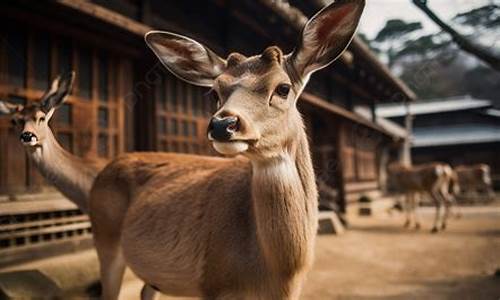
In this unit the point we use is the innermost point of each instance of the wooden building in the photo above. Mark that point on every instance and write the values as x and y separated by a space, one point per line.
124 100
457 130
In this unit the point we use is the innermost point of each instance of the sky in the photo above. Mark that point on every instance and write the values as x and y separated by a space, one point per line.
377 12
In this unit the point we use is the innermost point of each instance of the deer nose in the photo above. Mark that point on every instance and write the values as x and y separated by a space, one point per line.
222 128
27 137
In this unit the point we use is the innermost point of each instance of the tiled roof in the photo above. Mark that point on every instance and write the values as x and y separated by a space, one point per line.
456 135
432 106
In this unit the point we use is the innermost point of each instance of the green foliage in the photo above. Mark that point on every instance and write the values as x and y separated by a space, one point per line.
487 16
422 45
396 28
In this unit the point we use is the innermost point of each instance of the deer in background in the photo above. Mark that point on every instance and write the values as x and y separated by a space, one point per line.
71 175
474 178
224 228
434 179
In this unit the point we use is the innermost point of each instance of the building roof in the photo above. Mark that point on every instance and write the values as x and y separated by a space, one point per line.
455 135
389 126
432 106
493 112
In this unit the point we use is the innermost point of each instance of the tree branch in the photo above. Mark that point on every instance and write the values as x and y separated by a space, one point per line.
466 45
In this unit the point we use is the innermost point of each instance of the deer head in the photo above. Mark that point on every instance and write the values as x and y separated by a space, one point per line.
32 119
257 95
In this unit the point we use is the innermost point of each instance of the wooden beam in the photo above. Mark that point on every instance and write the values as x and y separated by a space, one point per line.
106 15
337 110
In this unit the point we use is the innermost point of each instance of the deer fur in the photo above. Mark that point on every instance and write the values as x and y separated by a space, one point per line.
433 179
224 228
71 175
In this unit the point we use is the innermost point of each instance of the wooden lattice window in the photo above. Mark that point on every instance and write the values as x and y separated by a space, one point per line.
181 116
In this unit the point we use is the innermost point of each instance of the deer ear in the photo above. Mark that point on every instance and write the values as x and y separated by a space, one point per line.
326 35
7 108
58 93
186 58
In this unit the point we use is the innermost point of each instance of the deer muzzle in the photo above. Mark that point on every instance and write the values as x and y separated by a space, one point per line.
223 129
28 138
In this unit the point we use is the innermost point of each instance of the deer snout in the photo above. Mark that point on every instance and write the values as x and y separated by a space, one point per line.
222 129
28 137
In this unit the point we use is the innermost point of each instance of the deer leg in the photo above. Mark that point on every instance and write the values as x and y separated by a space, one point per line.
108 207
455 209
437 203
447 201
491 193
415 211
407 207
112 266
148 292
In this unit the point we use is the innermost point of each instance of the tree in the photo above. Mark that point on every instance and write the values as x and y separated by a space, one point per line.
465 44
392 36
396 28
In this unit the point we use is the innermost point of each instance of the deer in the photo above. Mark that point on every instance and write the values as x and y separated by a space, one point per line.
71 175
474 178
434 179
240 226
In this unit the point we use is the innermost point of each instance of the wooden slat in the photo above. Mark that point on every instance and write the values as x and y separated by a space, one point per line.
44 223
45 230
26 207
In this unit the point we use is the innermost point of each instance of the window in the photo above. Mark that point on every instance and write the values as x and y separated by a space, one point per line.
16 44
85 73
102 145
63 115
103 118
163 125
64 56
162 93
41 53
180 112
103 78
172 94
66 140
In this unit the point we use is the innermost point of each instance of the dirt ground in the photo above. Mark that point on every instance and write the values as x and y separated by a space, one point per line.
378 259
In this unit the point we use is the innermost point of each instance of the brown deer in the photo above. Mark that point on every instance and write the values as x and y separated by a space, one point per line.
474 178
434 179
71 175
224 228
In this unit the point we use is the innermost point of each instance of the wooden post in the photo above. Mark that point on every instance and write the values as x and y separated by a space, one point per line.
405 154
339 171
373 110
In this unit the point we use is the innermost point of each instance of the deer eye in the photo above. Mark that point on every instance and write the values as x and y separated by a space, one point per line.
283 90
42 119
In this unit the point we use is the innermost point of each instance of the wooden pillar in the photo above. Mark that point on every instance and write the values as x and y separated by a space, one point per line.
405 152
373 104
339 171
383 160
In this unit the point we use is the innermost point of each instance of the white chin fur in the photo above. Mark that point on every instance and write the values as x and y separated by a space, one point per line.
32 143
230 148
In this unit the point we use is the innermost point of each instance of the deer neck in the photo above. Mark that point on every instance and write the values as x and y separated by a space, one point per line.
68 173
285 206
